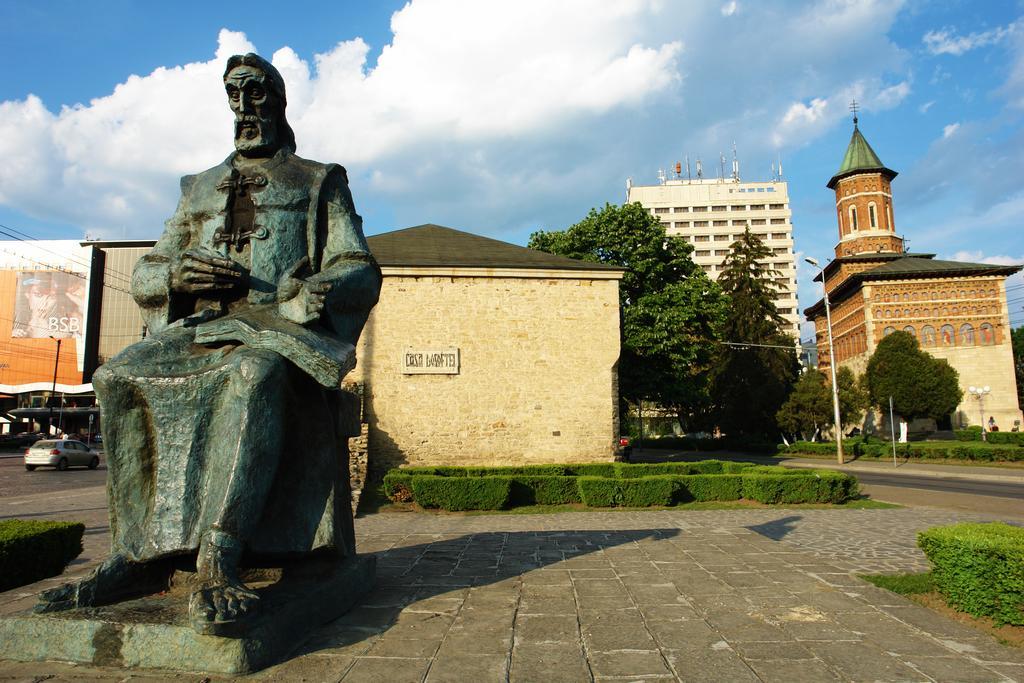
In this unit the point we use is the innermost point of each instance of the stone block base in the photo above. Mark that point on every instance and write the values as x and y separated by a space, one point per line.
154 633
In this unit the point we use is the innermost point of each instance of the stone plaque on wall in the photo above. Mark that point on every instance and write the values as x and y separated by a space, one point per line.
417 361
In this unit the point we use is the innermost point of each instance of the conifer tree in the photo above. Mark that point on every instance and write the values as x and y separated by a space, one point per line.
755 370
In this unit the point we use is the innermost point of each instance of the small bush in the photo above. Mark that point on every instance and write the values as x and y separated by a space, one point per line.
708 487
1007 438
461 493
979 568
398 486
972 433
34 550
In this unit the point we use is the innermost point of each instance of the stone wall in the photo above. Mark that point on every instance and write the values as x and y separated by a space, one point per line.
536 377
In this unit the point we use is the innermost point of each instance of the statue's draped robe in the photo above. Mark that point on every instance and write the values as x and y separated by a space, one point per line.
226 435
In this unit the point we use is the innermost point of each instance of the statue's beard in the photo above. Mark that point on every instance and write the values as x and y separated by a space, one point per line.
255 135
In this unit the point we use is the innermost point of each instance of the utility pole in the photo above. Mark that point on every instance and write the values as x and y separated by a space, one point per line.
831 366
53 389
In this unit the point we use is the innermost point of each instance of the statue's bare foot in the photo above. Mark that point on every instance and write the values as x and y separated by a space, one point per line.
117 578
221 604
222 609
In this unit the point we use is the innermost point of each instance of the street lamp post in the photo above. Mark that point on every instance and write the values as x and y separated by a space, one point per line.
53 389
831 365
980 393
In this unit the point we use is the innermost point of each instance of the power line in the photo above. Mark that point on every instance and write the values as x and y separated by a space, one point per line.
25 237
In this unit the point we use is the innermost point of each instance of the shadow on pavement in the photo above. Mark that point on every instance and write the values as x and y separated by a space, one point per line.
777 529
434 577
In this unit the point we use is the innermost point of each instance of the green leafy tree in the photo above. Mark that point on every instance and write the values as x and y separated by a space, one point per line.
670 310
1017 340
921 386
808 408
853 398
749 383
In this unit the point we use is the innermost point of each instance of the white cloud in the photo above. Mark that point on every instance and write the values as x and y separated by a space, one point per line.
926 106
729 8
491 116
946 42
802 122
948 131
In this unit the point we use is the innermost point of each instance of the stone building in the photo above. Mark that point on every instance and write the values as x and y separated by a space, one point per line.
712 213
482 352
479 351
957 311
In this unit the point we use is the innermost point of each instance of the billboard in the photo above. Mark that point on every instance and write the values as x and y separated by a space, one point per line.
49 304
44 296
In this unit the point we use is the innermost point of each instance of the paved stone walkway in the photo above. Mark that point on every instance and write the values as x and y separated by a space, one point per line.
744 595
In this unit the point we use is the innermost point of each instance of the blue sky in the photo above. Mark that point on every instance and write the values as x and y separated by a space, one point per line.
505 118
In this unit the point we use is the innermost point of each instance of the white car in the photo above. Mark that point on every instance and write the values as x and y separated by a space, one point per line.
60 453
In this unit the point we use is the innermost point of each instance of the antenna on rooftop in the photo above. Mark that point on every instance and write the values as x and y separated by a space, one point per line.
854 107
780 167
735 164
700 169
679 170
688 168
721 167
661 176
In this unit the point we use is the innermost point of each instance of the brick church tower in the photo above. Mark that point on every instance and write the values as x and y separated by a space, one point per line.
957 311
864 201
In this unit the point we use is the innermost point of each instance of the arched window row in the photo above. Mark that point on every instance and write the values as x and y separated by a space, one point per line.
935 295
947 335
943 312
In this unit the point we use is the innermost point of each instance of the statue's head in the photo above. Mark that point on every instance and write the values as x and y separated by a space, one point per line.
256 95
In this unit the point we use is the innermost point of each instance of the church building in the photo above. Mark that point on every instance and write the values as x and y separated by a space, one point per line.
957 311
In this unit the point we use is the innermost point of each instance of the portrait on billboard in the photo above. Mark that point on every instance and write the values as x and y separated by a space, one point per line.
49 304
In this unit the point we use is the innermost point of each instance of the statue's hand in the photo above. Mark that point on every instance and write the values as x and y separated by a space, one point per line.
299 300
204 271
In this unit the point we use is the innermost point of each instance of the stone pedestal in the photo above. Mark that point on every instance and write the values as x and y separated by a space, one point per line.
154 633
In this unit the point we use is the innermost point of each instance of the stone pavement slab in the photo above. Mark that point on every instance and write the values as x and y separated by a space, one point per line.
736 595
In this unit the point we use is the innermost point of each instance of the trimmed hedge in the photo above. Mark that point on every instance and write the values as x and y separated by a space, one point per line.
823 487
34 550
979 568
638 485
541 490
461 493
973 433
933 451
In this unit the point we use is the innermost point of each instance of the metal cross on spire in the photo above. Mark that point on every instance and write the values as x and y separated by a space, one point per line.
854 107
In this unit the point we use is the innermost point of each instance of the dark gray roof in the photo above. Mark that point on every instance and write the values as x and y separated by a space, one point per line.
440 247
914 266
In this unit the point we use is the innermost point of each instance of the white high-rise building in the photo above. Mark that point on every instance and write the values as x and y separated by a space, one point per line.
711 214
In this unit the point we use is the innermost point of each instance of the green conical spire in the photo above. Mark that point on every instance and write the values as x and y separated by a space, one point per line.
859 157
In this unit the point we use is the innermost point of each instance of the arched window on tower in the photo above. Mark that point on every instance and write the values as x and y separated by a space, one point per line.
887 331
853 218
947 333
909 329
967 334
988 334
927 336
872 218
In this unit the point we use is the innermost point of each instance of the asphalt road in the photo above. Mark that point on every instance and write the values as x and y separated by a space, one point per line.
996 489
15 480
